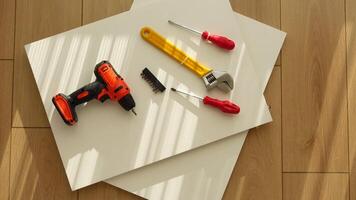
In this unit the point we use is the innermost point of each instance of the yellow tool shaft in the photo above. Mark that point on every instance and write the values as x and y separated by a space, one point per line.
170 49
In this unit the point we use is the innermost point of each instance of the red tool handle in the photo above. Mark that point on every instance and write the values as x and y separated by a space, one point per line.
218 40
224 106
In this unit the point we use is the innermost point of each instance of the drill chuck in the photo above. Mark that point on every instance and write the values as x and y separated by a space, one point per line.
127 102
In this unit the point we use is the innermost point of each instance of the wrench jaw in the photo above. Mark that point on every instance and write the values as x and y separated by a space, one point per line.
219 79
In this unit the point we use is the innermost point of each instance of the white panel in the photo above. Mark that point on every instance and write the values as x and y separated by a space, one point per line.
263 43
106 137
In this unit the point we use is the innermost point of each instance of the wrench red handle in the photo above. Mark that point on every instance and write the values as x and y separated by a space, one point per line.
220 41
225 106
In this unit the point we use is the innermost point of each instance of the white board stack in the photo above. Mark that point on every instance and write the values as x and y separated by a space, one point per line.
175 148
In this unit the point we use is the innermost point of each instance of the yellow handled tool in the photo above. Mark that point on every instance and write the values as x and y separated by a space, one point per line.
210 77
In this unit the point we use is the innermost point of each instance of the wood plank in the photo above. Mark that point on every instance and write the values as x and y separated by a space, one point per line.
314 94
261 153
312 186
104 191
351 66
37 19
259 164
265 11
6 74
108 8
7 28
36 168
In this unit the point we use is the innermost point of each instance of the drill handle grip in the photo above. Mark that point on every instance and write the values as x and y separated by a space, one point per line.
86 93
66 104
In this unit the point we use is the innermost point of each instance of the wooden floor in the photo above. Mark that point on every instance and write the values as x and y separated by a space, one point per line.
308 152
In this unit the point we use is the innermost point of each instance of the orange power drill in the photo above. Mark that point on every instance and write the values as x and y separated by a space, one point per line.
108 85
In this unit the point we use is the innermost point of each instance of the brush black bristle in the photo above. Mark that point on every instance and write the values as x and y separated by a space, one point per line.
152 80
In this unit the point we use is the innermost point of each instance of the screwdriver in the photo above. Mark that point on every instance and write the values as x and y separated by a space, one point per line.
224 105
220 41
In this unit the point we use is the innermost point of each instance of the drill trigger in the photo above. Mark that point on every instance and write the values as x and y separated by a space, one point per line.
103 96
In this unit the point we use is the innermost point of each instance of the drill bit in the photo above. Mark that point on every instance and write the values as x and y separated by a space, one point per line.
152 80
133 111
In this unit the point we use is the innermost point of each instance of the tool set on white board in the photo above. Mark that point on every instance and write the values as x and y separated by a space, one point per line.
175 108
110 85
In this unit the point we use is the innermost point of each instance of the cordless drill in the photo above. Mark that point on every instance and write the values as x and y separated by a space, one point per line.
108 85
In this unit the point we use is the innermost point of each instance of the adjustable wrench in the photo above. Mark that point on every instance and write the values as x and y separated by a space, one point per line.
211 78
